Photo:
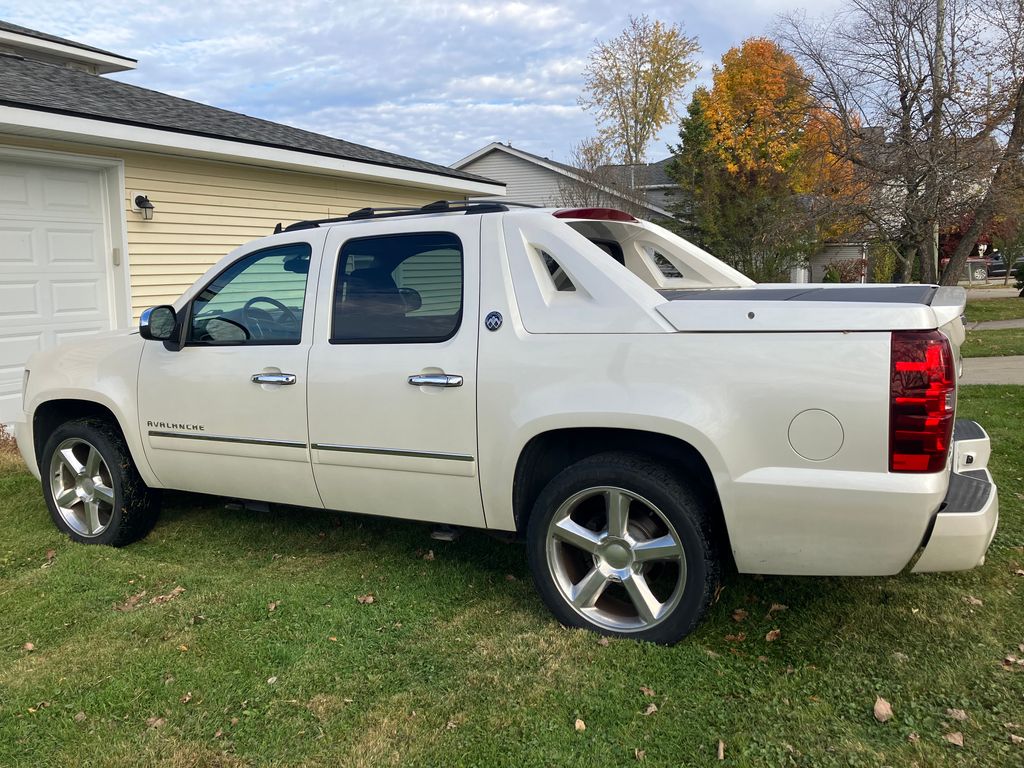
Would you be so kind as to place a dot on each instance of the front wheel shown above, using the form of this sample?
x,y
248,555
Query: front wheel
x,y
619,545
92,489
980,274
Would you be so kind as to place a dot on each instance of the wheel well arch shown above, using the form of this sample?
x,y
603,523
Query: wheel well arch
x,y
52,413
548,453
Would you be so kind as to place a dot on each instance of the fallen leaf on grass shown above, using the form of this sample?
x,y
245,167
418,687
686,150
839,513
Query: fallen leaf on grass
x,y
1014,739
972,600
159,599
183,648
737,638
1019,572
774,635
580,726
365,599
646,691
883,710
721,750
510,577
957,714
956,738
777,608
156,722
901,657
29,646
429,555
603,642
218,733
639,754
272,606
1011,726
333,639
131,603
186,698
739,615
913,738
50,555
651,709
271,680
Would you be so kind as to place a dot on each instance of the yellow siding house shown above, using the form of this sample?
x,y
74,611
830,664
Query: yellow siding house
x,y
78,151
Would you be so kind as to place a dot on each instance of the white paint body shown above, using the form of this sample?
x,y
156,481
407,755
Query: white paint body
x,y
787,403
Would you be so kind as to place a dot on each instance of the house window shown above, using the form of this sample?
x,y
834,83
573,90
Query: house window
x,y
398,288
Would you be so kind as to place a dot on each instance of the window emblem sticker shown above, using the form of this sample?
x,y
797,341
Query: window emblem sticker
x,y
493,321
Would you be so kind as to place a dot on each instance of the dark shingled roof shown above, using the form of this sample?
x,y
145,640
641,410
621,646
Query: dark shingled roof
x,y
647,175
50,88
6,26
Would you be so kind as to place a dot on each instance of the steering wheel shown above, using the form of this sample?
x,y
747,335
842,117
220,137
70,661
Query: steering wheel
x,y
286,317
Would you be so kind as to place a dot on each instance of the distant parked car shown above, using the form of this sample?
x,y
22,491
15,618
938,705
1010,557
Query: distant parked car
x,y
975,269
996,265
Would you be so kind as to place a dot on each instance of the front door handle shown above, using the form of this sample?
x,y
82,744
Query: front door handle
x,y
435,380
273,378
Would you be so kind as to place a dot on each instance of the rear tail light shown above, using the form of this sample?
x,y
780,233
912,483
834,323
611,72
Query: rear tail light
x,y
599,214
922,401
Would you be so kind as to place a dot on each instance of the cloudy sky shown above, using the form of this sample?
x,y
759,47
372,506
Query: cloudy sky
x,y
434,80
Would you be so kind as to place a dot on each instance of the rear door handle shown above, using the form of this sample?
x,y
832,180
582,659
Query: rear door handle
x,y
435,380
273,378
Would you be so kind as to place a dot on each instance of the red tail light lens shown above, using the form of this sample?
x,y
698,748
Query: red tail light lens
x,y
922,401
599,214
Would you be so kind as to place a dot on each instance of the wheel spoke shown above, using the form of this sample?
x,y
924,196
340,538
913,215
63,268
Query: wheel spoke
x,y
69,460
104,493
92,516
662,548
589,589
617,505
66,498
573,533
92,462
647,605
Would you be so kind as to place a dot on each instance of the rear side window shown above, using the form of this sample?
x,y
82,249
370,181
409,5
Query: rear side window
x,y
398,288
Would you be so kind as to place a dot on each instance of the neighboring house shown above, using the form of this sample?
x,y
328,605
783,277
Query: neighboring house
x,y
536,180
650,178
77,149
856,253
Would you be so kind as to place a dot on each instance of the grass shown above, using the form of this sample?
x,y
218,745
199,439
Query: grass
x,y
993,343
456,662
979,310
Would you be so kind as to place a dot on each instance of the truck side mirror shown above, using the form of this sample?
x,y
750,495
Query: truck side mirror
x,y
158,323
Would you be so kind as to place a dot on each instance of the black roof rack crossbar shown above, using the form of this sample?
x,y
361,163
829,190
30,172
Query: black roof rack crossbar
x,y
438,206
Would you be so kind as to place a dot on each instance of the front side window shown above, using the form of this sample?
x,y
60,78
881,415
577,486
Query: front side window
x,y
257,300
398,288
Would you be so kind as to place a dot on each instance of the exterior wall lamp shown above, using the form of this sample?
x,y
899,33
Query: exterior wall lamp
x,y
141,203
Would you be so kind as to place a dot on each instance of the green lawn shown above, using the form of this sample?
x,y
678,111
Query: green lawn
x,y
994,343
994,309
456,662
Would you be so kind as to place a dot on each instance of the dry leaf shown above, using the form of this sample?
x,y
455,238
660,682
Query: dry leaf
x,y
29,646
580,725
646,691
651,709
333,639
429,555
777,608
956,738
365,599
1011,726
957,714
50,555
156,722
1019,572
603,642
913,738
131,603
639,754
721,750
186,698
901,657
972,600
739,615
234,720
510,577
218,733
883,710
737,638
80,717
272,606
774,635
183,648
168,597
271,680
1014,739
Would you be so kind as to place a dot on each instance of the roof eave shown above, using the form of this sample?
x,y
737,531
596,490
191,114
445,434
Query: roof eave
x,y
104,63
24,121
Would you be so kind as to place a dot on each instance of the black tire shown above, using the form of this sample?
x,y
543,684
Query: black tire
x,y
643,480
134,508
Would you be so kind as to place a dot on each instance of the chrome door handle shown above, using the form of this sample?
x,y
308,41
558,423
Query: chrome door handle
x,y
435,380
273,378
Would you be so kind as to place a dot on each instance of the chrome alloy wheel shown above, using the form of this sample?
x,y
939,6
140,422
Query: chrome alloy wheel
x,y
82,489
616,559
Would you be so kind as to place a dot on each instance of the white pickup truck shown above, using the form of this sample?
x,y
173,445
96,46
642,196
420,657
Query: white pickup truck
x,y
641,413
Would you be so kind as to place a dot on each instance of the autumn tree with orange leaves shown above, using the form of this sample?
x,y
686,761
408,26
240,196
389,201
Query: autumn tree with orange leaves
x,y
761,185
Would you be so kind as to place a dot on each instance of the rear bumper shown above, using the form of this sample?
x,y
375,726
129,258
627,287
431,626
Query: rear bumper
x,y
966,521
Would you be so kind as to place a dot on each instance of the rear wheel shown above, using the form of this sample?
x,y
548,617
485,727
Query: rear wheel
x,y
91,486
980,274
619,545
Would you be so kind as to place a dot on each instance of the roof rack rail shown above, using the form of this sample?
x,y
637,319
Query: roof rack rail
x,y
438,206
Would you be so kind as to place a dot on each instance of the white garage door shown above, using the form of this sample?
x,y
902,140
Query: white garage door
x,y
53,265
